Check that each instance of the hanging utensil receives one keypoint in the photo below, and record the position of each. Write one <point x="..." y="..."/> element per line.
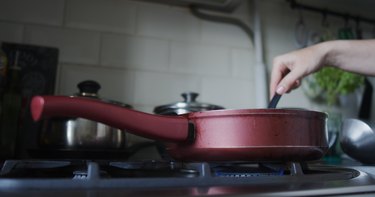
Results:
<point x="300" y="31"/>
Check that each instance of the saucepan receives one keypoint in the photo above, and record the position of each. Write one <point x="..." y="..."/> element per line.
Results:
<point x="79" y="133"/>
<point x="218" y="135"/>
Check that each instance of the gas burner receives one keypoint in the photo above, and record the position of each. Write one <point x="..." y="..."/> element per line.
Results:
<point x="246" y="171"/>
<point x="36" y="168"/>
<point x="286" y="170"/>
<point x="82" y="169"/>
<point x="151" y="169"/>
<point x="90" y="171"/>
<point x="80" y="175"/>
<point x="147" y="165"/>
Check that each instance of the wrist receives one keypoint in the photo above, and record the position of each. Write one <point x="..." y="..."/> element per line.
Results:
<point x="331" y="51"/>
<point x="327" y="51"/>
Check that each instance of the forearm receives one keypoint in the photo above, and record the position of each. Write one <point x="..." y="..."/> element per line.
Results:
<point x="351" y="55"/>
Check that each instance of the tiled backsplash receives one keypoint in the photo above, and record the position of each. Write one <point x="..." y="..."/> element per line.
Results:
<point x="143" y="54"/>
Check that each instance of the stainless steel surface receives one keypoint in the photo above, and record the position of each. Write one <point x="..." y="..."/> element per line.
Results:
<point x="358" y="140"/>
<point x="81" y="134"/>
<point x="189" y="104"/>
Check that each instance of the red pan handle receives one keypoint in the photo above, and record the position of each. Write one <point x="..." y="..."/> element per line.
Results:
<point x="164" y="128"/>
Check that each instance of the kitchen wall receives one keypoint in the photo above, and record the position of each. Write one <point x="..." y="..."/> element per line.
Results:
<point x="147" y="54"/>
<point x="143" y="54"/>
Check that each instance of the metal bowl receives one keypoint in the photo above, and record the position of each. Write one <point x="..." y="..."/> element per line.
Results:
<point x="358" y="140"/>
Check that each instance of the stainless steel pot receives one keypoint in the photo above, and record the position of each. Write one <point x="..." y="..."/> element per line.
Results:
<point x="80" y="133"/>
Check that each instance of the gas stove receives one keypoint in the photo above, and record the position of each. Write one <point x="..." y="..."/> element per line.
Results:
<point x="169" y="178"/>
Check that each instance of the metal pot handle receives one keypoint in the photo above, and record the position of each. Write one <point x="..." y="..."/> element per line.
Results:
<point x="164" y="128"/>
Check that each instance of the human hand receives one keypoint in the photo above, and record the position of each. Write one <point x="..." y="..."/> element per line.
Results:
<point x="289" y="69"/>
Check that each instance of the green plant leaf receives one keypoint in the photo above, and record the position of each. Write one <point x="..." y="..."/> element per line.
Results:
<point x="336" y="82"/>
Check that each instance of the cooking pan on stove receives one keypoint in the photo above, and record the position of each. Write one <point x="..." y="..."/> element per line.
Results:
<point x="218" y="135"/>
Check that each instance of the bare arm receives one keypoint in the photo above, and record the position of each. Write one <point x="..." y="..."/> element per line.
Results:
<point x="351" y="55"/>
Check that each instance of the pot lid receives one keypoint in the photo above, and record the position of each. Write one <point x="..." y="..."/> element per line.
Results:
<point x="90" y="89"/>
<point x="189" y="104"/>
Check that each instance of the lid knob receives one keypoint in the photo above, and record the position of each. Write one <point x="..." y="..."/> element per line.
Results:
<point x="88" y="88"/>
<point x="189" y="97"/>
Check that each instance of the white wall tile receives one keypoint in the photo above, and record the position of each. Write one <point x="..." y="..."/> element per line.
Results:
<point x="278" y="29"/>
<point x="199" y="59"/>
<point x="134" y="52"/>
<point x="77" y="46"/>
<point x="229" y="93"/>
<point x="102" y="15"/>
<point x="11" y="32"/>
<point x="161" y="88"/>
<point x="33" y="11"/>
<point x="164" y="22"/>
<point x="224" y="34"/>
<point x="115" y="84"/>
<point x="144" y="108"/>
<point x="243" y="63"/>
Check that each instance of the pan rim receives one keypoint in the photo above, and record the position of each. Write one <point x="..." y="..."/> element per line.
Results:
<point x="259" y="112"/>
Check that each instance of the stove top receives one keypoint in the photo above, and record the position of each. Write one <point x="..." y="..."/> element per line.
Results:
<point x="160" y="178"/>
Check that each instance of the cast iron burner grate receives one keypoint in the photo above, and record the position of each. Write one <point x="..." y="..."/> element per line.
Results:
<point x="82" y="169"/>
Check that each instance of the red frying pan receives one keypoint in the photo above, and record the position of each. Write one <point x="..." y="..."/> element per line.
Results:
<point x="219" y="135"/>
